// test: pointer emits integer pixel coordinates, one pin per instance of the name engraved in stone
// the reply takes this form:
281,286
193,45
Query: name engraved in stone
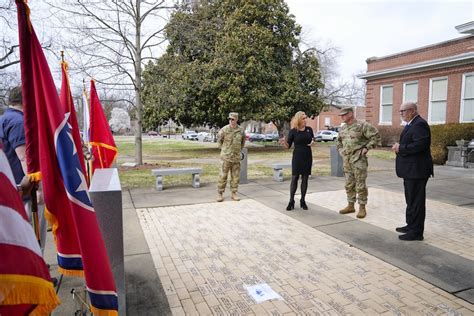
392,292
194,271
205,289
305,293
361,288
392,308
287,297
226,302
217,310
448,310
225,285
350,297
321,266
337,307
360,271
320,305
247,298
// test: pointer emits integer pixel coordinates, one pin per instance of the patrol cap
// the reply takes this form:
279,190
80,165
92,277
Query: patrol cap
234,115
14,97
346,110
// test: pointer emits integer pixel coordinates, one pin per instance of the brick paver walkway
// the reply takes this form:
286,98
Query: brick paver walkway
447,226
206,254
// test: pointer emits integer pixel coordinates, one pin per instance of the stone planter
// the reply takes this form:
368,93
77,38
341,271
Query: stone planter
462,143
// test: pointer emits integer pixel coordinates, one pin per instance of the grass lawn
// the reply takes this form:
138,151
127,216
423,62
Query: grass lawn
176,153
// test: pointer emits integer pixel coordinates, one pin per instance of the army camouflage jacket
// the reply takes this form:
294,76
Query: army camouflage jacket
231,141
352,138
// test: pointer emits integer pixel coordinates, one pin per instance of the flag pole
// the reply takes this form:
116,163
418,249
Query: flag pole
34,212
87,154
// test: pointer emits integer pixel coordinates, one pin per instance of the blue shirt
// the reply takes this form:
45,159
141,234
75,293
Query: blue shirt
12,134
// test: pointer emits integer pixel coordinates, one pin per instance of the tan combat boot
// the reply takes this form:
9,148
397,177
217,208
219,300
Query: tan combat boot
348,209
220,197
362,213
235,197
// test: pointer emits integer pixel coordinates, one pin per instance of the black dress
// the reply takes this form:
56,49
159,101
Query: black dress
302,155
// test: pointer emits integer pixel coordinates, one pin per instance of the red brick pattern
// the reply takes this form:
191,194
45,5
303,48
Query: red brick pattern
454,75
442,50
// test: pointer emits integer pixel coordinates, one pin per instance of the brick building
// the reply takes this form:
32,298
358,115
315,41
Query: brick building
329,118
439,77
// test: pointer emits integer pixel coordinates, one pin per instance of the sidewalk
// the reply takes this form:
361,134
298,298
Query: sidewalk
205,253
186,254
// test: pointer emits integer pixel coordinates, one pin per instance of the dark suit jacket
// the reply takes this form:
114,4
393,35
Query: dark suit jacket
414,157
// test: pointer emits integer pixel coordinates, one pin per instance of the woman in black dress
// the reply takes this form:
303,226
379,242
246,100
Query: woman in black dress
302,137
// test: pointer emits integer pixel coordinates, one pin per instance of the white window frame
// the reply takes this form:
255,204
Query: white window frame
430,95
381,105
461,113
411,82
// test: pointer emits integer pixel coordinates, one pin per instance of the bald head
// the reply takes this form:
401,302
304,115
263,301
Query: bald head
408,111
409,105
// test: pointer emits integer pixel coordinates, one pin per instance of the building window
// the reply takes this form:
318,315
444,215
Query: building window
438,97
410,92
467,98
327,121
386,104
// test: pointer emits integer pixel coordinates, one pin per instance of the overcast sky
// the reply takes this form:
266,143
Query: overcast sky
363,29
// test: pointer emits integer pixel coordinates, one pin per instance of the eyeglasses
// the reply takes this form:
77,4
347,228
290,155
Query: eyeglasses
231,119
403,111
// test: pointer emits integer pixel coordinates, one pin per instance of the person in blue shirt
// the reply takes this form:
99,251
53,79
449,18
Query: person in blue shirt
12,134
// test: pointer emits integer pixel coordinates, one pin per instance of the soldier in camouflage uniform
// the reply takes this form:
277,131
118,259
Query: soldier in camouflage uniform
354,141
231,140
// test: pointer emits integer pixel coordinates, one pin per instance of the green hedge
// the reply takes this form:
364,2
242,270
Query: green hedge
389,135
446,135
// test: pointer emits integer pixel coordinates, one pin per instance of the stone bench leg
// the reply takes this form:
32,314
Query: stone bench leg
159,183
278,175
196,183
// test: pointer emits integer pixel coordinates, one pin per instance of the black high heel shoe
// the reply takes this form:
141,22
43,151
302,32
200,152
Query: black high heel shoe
291,205
303,205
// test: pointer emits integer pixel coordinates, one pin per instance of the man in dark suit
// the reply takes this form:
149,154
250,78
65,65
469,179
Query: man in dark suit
415,166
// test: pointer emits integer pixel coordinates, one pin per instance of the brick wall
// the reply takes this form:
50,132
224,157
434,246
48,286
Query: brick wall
454,75
445,49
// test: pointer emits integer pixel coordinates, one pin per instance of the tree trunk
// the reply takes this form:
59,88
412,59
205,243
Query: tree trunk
283,129
138,87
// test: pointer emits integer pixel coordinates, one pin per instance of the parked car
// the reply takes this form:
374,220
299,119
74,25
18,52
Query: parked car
152,133
325,136
255,137
269,137
210,138
190,135
202,136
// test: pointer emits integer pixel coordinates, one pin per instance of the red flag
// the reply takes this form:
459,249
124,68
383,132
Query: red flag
51,152
25,282
68,105
104,150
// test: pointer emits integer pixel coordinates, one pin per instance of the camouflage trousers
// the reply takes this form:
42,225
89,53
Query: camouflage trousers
356,176
234,168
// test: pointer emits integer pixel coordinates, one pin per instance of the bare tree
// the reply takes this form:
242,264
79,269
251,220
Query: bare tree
337,91
8,50
111,41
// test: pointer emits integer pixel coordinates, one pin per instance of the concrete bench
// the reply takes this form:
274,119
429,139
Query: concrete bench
278,170
159,173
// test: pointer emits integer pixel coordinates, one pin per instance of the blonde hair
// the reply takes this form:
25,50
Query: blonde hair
298,120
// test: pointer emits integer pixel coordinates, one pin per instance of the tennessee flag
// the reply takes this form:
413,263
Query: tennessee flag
68,107
102,142
25,283
52,156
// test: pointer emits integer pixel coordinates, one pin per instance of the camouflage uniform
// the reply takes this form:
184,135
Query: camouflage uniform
230,141
350,142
